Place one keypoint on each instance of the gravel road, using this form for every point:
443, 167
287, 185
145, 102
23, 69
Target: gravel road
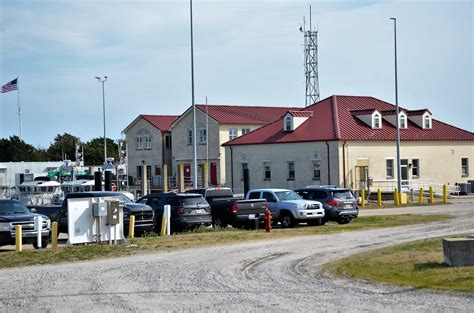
281, 275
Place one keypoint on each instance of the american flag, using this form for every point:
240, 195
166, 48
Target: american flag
10, 86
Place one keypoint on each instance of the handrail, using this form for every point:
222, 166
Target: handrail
415, 185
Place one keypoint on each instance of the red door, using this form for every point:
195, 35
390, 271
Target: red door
187, 174
213, 174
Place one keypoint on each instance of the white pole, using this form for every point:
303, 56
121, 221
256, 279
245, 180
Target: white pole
168, 219
38, 222
19, 107
192, 95
207, 136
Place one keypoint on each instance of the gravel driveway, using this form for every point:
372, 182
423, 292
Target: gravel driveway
281, 275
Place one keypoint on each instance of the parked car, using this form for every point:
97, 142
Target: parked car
339, 204
288, 208
187, 210
227, 209
144, 215
12, 213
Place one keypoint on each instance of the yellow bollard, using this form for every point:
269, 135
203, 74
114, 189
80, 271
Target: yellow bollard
420, 197
396, 198
54, 236
431, 195
163, 225
362, 196
445, 194
165, 178
131, 227
19, 238
379, 198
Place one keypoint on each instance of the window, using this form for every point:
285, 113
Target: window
316, 169
291, 170
403, 121
139, 143
148, 172
376, 121
267, 171
427, 121
389, 168
202, 136
415, 169
148, 142
190, 136
254, 195
245, 166
139, 172
167, 141
232, 133
465, 166
268, 196
288, 122
245, 131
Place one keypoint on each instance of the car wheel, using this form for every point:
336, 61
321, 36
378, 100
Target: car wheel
44, 243
343, 221
287, 221
218, 222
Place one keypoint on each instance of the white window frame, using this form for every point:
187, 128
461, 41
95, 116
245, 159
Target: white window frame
202, 136
139, 142
267, 169
288, 123
403, 118
464, 167
291, 170
377, 120
413, 167
147, 142
233, 133
392, 167
190, 136
427, 118
317, 169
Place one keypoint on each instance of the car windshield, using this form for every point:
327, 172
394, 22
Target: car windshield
287, 195
342, 194
126, 199
12, 208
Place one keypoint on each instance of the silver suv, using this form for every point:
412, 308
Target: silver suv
339, 204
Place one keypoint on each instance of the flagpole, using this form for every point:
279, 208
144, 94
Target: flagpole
19, 107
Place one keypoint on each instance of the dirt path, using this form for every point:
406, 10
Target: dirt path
276, 276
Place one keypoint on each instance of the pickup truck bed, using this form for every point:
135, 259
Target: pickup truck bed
227, 210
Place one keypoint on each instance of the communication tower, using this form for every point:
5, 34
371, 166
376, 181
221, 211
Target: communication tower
311, 62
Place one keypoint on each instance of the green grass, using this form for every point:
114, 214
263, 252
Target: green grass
418, 264
198, 238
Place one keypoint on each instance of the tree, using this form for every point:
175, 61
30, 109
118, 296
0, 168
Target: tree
63, 148
94, 151
15, 149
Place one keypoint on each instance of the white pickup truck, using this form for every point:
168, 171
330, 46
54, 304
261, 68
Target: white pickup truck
288, 208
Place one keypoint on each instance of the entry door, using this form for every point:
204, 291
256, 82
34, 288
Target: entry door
187, 174
404, 170
213, 174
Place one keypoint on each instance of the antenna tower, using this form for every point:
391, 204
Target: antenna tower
311, 63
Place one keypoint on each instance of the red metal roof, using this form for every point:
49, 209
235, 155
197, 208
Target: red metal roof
162, 122
333, 119
241, 115
301, 113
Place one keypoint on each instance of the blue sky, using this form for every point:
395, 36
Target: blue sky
245, 52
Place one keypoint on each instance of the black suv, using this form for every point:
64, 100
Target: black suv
339, 203
187, 210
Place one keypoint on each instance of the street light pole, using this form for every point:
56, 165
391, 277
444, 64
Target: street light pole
399, 181
193, 104
103, 80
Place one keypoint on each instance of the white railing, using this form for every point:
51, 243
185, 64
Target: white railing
415, 185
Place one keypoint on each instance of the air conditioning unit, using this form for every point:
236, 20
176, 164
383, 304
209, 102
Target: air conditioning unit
465, 188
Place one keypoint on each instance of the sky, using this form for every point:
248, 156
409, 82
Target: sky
245, 53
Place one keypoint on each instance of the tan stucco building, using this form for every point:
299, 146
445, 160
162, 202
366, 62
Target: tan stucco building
351, 141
